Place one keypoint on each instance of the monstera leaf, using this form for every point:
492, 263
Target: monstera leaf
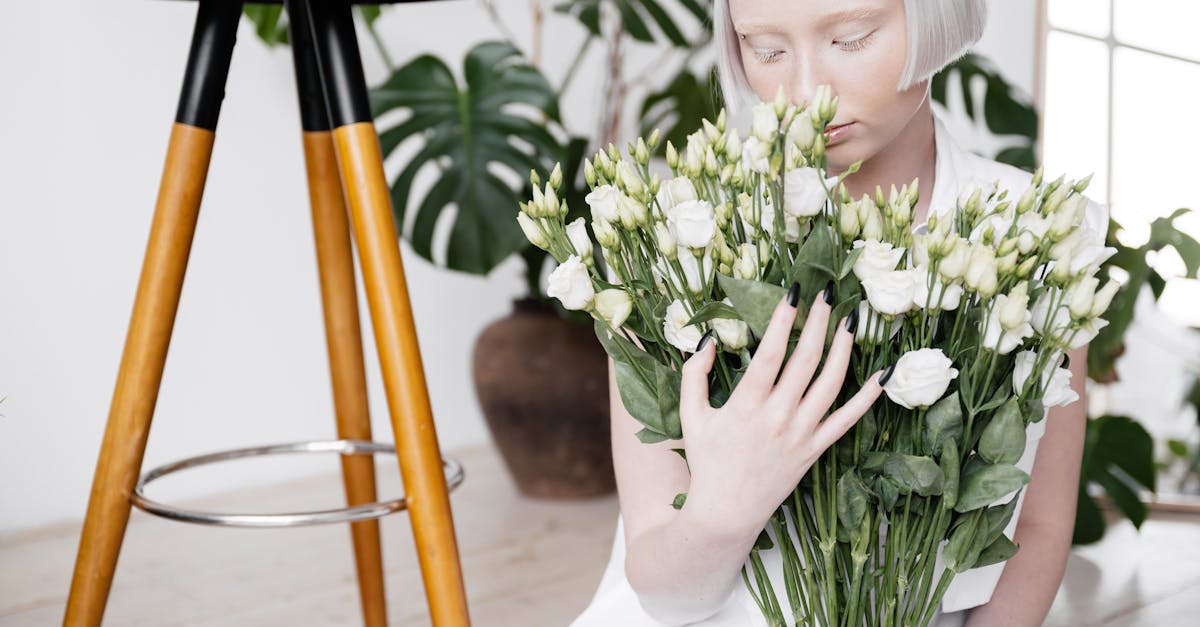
271, 26
468, 132
675, 109
1006, 113
634, 16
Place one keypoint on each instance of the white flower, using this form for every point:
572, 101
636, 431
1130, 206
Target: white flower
765, 122
981, 266
871, 326
950, 298
677, 190
791, 225
693, 223
921, 378
755, 154
876, 258
1056, 381
1003, 338
1080, 296
1042, 321
803, 192
1087, 332
1089, 251
571, 284
603, 201
614, 305
532, 231
954, 265
1034, 224
577, 233
685, 338
999, 222
891, 293
692, 270
734, 334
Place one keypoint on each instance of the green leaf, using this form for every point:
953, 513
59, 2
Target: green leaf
988, 484
468, 133
853, 498
667, 389
755, 302
713, 310
957, 555
996, 518
634, 15
943, 423
1089, 522
949, 464
811, 268
1122, 493
1003, 439
268, 22
911, 474
764, 542
649, 436
677, 108
679, 500
848, 264
998, 551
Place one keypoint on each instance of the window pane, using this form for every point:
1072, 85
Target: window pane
1076, 111
1160, 25
1155, 133
1089, 17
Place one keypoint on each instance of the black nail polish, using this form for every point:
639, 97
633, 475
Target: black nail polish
704, 340
793, 295
828, 295
887, 374
852, 320
1066, 361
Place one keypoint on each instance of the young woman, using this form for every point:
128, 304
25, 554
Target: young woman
677, 567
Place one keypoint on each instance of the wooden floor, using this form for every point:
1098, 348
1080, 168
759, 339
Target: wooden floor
527, 563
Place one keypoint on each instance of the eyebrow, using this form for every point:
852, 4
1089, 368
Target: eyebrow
751, 27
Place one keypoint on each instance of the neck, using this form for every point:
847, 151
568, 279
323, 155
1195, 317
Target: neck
912, 154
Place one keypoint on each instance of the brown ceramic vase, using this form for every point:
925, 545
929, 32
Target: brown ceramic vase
542, 383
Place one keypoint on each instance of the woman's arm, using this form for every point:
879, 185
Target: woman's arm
1031, 578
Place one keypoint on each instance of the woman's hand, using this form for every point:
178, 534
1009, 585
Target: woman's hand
748, 456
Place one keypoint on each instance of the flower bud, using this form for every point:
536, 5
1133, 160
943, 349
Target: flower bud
550, 201
954, 264
672, 156
614, 305
1080, 297
848, 223
1054, 200
642, 152
872, 227
1104, 297
726, 173
710, 163
537, 206
780, 103
1012, 314
987, 286
606, 235
664, 239
1007, 245
1060, 273
721, 120
710, 131
1026, 242
534, 178
1006, 264
556, 176
1027, 200
818, 148
589, 173
764, 248
1037, 177
733, 147
653, 141
1082, 185
533, 232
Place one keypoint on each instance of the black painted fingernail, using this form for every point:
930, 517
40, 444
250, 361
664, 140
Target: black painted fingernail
887, 374
1066, 361
828, 295
793, 295
852, 320
704, 340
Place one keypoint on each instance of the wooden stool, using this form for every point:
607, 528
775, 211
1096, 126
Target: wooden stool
344, 165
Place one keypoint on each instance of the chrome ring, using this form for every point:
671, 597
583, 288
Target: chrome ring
454, 477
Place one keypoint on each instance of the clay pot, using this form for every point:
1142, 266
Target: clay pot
542, 382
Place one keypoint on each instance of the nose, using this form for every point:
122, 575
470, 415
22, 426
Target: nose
807, 74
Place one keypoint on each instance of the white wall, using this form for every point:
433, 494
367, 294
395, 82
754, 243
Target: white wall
90, 94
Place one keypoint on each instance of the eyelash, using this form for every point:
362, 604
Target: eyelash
848, 46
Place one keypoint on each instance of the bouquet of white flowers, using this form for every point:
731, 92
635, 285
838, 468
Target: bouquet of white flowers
969, 311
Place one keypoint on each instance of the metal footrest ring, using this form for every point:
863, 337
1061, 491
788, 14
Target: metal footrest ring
454, 477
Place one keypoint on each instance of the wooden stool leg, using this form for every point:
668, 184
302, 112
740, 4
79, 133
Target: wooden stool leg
154, 309
335, 261
361, 166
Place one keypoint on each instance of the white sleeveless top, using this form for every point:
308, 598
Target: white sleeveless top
616, 604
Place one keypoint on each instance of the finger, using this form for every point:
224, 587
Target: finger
825, 389
693, 383
764, 366
798, 371
846, 416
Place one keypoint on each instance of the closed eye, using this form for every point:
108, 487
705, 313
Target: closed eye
767, 56
856, 44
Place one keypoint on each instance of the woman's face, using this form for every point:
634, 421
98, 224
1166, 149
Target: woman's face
858, 47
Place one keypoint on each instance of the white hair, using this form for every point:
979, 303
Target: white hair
940, 31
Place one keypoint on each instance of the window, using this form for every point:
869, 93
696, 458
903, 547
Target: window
1120, 93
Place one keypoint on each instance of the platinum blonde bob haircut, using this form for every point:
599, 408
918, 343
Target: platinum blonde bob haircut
939, 32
